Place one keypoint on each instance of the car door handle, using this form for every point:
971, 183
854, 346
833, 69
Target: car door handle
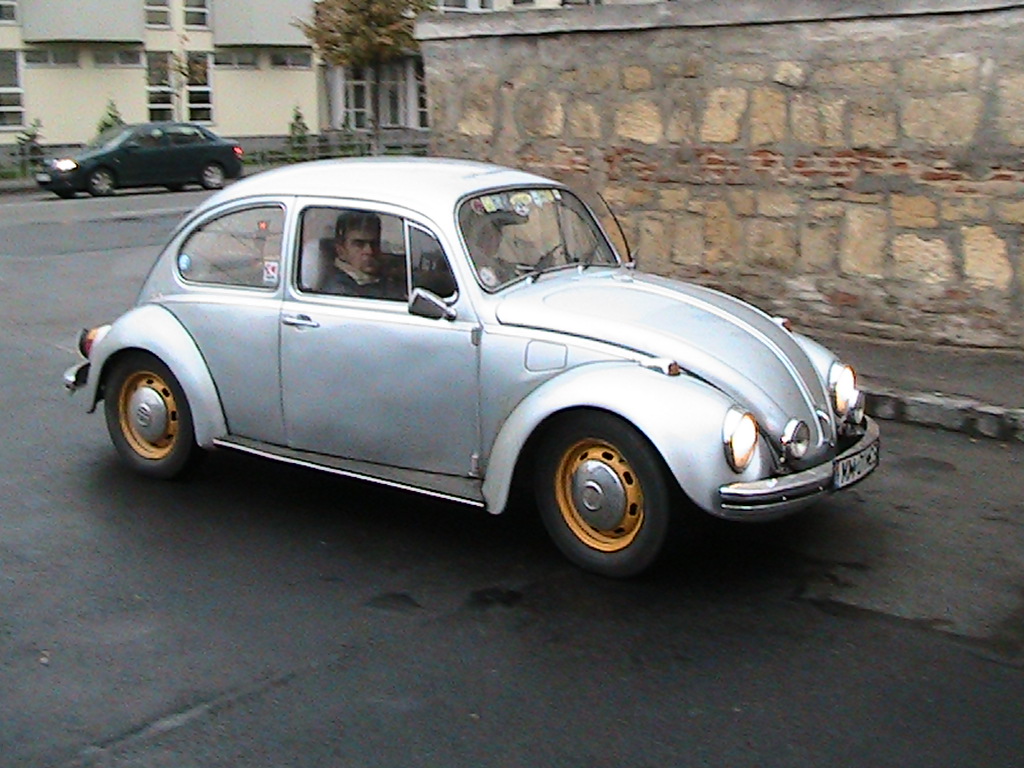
300, 321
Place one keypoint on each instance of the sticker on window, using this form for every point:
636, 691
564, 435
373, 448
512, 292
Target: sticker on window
270, 272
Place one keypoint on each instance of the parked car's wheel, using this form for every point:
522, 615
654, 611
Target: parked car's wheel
66, 194
101, 182
148, 417
175, 187
604, 494
212, 176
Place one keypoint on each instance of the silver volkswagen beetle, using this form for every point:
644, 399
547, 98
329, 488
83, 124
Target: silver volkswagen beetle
455, 329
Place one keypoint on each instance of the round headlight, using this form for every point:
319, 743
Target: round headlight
739, 437
843, 383
796, 439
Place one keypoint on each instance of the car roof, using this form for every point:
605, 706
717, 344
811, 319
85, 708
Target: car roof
431, 185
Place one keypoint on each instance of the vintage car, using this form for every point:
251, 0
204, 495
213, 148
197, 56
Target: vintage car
462, 329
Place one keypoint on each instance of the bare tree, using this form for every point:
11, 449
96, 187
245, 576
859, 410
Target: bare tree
367, 34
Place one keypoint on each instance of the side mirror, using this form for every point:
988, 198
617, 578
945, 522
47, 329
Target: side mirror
424, 303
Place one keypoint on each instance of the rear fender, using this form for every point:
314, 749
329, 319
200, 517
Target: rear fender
153, 329
681, 416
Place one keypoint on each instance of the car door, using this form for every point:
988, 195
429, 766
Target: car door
362, 377
145, 159
186, 150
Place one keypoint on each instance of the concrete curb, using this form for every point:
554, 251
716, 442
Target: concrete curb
949, 412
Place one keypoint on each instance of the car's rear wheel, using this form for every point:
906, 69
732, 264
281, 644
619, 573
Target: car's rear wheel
604, 494
101, 182
148, 417
212, 176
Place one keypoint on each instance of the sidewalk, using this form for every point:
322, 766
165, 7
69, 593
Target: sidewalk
974, 391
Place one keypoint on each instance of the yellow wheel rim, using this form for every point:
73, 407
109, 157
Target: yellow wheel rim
599, 495
148, 414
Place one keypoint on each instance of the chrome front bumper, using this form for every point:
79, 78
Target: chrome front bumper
780, 496
76, 376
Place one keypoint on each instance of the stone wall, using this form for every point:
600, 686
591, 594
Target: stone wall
856, 173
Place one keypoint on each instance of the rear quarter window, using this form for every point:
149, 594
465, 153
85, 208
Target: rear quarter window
241, 248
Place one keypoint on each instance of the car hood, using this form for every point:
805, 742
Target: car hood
713, 336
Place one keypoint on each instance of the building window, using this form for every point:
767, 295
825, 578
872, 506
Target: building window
159, 92
465, 5
197, 13
199, 96
52, 57
8, 10
158, 13
398, 101
235, 59
289, 59
117, 57
12, 111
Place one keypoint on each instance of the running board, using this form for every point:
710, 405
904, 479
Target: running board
465, 490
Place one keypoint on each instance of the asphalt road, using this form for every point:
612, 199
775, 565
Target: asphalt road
258, 615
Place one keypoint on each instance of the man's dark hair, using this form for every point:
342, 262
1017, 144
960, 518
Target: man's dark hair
359, 221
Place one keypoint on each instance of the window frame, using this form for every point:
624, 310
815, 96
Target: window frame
227, 58
196, 11
116, 55
200, 110
154, 8
158, 108
12, 16
400, 100
16, 90
52, 54
294, 58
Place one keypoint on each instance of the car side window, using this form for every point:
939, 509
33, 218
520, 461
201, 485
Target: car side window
241, 248
353, 252
183, 134
430, 268
149, 138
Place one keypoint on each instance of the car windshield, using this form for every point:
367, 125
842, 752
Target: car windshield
520, 233
108, 138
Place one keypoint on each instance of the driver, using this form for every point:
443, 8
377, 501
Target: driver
359, 266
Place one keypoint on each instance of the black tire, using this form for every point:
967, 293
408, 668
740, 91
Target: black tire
604, 494
175, 187
212, 176
65, 194
148, 417
101, 183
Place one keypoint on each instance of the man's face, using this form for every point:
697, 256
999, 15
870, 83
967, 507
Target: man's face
360, 248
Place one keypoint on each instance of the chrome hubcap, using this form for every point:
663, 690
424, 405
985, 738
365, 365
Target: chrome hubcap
148, 414
598, 495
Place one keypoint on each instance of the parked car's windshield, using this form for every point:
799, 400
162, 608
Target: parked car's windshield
516, 233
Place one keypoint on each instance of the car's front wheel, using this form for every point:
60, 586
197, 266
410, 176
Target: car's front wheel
604, 494
148, 417
212, 176
100, 182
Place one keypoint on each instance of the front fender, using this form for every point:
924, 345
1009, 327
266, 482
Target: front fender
681, 416
153, 329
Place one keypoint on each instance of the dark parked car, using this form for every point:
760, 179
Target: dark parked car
154, 154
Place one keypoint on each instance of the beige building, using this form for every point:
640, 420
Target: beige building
241, 67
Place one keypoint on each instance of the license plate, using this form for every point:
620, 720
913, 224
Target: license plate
42, 178
849, 469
